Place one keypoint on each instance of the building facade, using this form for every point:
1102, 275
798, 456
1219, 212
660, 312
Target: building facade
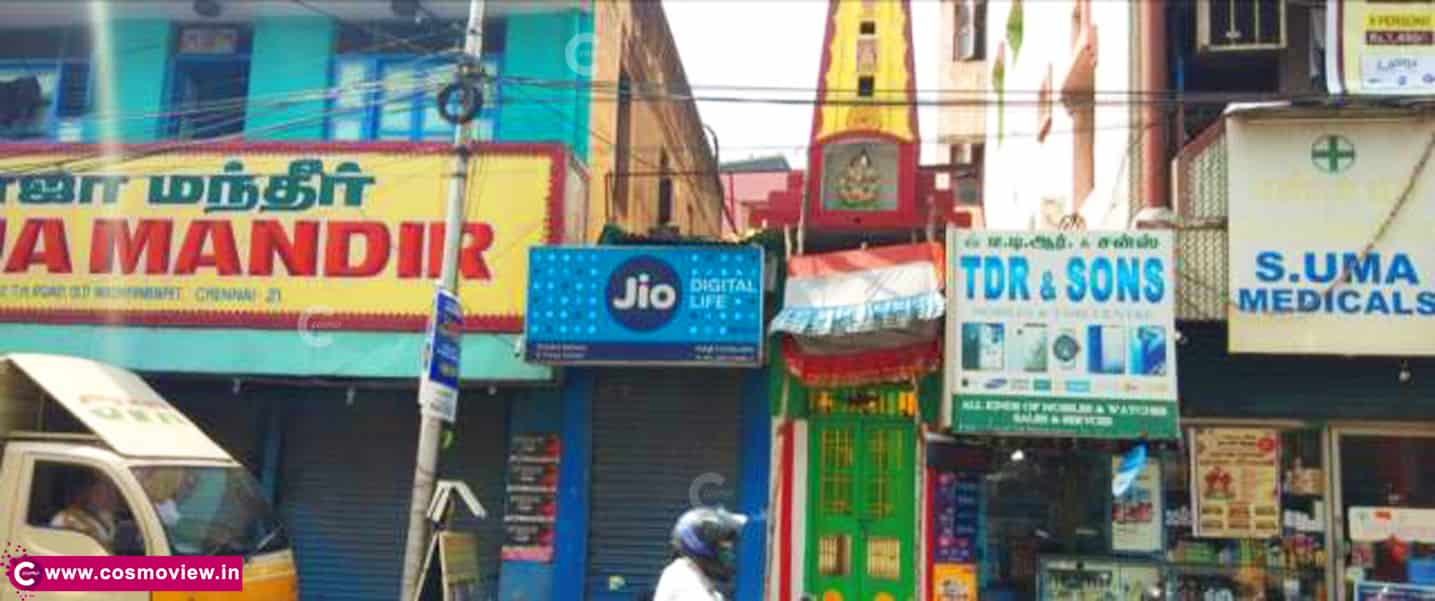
261, 225
1183, 117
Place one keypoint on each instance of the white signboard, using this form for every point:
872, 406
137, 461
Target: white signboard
1066, 334
1324, 257
1376, 524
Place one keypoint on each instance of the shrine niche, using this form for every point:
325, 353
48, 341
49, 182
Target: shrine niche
860, 176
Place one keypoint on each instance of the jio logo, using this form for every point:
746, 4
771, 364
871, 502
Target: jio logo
642, 293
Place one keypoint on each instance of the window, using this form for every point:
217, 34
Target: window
394, 97
82, 499
866, 86
622, 146
209, 83
390, 78
665, 191
969, 29
868, 28
58, 60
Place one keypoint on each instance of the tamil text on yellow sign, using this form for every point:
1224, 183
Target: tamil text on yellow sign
265, 236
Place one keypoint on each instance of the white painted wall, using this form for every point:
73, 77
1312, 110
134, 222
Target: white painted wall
1020, 171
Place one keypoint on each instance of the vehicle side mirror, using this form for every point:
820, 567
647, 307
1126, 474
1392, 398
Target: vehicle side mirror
58, 541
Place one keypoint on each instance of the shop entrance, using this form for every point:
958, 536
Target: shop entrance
1385, 495
862, 509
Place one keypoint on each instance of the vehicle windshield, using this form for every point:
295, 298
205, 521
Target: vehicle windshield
211, 510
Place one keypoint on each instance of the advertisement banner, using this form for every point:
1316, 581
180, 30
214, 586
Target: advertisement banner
1325, 258
1380, 47
1069, 334
1137, 513
438, 384
532, 505
956, 517
268, 235
1236, 475
678, 305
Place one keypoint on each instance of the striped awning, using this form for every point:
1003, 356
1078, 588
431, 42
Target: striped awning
862, 291
863, 316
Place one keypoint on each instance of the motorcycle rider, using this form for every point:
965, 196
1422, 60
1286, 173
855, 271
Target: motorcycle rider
705, 557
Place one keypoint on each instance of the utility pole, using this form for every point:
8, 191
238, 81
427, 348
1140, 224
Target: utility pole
431, 426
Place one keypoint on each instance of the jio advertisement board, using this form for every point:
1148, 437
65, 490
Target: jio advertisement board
1061, 333
678, 305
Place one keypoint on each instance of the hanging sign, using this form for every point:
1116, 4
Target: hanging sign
1380, 47
683, 305
1321, 259
1236, 478
1137, 510
1067, 334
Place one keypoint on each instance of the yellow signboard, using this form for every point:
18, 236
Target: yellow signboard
269, 235
1381, 47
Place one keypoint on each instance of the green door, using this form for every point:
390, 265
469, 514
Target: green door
861, 510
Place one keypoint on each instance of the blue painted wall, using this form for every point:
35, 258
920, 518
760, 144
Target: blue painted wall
752, 501
570, 559
288, 59
138, 82
538, 48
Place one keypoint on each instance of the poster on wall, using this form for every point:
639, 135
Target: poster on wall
532, 505
1069, 334
1137, 513
1376, 524
1306, 197
1236, 475
956, 517
691, 305
1380, 47
954, 582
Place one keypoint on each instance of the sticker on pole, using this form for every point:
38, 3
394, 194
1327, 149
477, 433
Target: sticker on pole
438, 390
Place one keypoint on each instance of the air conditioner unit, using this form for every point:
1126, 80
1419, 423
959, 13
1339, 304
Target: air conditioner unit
1240, 25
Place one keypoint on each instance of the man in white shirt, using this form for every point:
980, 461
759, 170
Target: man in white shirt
704, 545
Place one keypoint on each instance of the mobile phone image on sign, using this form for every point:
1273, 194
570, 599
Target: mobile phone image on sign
1106, 349
1148, 350
983, 346
1027, 350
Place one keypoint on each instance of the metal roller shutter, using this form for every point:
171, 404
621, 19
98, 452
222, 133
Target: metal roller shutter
346, 479
656, 435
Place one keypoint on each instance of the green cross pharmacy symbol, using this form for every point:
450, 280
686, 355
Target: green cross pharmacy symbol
1332, 153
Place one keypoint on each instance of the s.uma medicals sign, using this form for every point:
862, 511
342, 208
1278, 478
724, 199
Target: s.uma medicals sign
1062, 333
1330, 235
261, 235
